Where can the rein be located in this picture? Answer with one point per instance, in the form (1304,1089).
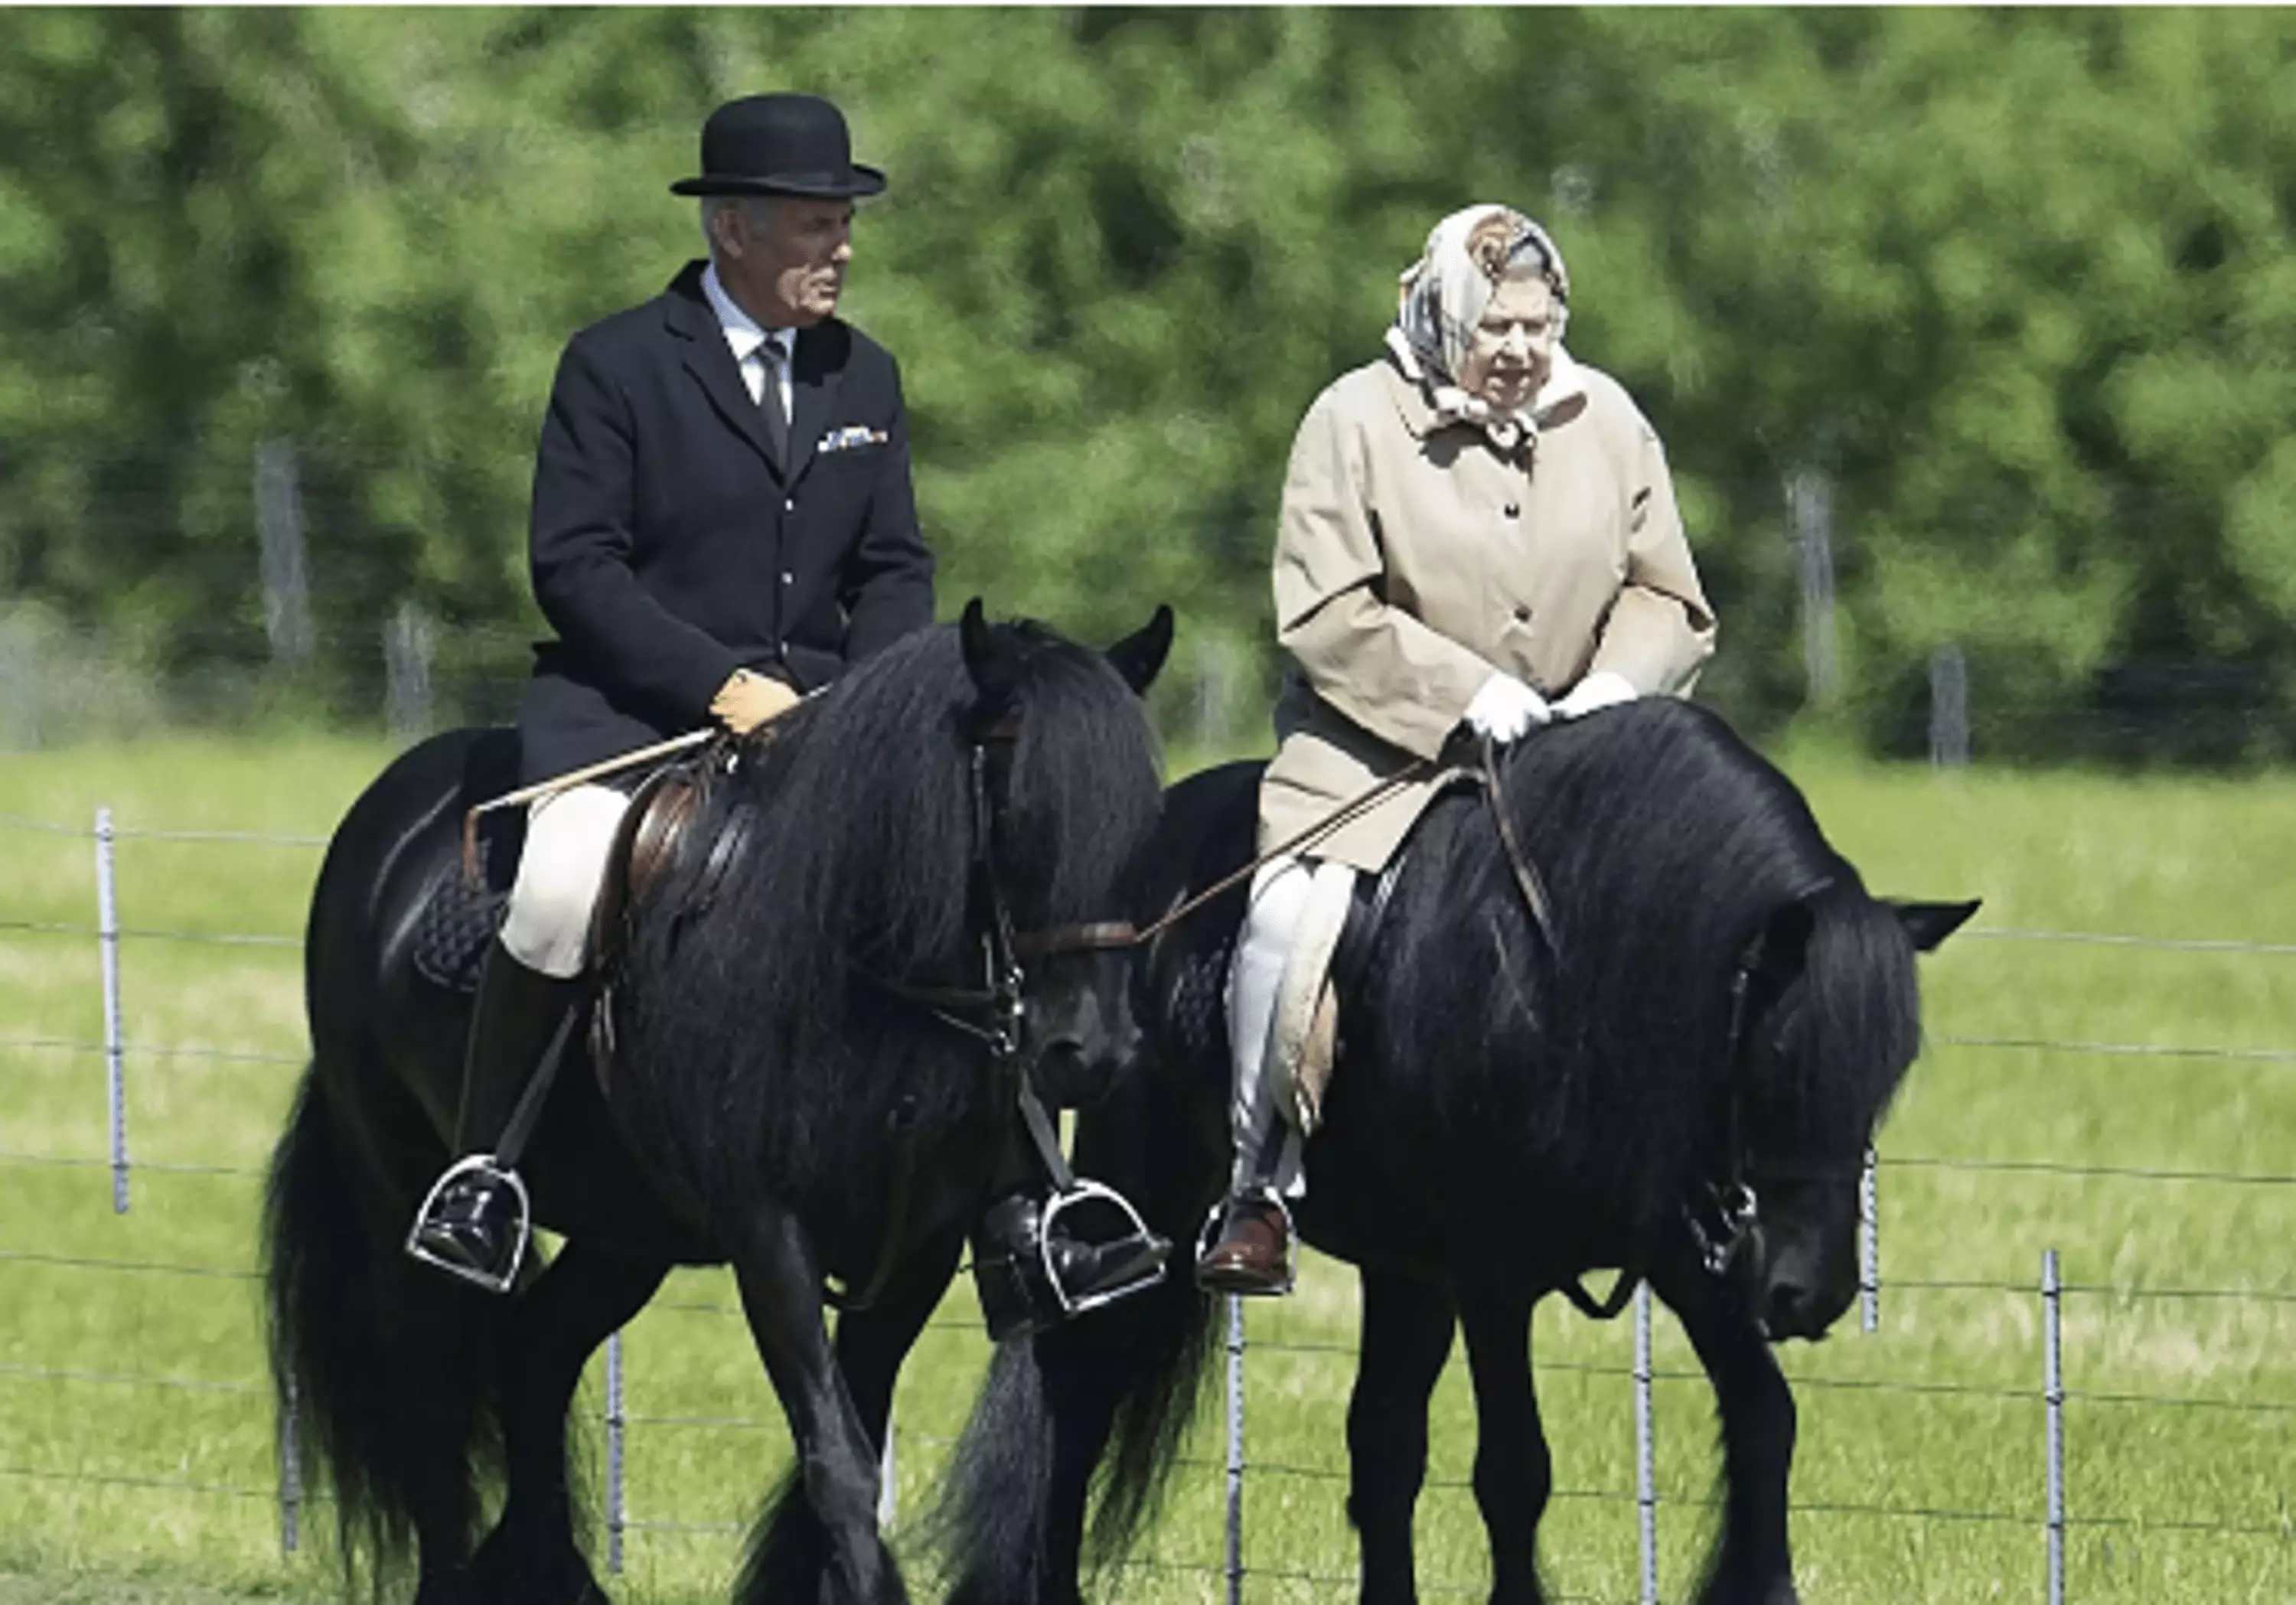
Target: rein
(1119,933)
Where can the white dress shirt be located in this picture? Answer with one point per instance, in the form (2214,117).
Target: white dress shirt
(756,350)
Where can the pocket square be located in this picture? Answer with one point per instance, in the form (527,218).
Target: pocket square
(850,437)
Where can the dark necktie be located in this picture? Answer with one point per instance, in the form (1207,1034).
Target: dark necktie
(769,398)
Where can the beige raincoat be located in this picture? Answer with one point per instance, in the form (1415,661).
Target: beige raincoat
(1415,559)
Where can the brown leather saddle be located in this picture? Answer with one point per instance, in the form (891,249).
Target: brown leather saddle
(464,911)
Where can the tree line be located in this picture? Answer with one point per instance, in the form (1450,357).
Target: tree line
(2013,290)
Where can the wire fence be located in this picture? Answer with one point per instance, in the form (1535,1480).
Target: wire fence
(2047,1386)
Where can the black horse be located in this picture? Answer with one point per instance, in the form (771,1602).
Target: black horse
(1676,1071)
(784,1091)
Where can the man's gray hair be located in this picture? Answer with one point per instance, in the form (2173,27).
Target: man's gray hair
(762,212)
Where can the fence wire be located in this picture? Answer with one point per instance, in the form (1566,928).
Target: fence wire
(2283,1527)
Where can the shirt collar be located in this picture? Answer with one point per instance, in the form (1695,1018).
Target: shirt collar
(744,334)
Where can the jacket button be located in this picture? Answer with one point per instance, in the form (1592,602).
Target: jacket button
(788,578)
(790,505)
(1515,510)
(1522,614)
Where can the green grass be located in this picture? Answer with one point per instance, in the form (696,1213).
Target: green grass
(2178,859)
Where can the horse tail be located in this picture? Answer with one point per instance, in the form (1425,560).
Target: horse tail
(328,1359)
(388,1372)
(1171,1337)
(1114,1389)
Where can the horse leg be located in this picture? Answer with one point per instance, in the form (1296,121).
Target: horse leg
(531,1556)
(779,1279)
(1514,1472)
(871,1344)
(1752,1563)
(1406,1337)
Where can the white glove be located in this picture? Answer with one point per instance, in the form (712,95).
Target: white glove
(1600,690)
(1505,708)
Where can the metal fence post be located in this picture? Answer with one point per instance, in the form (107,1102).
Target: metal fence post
(1869,1244)
(889,1499)
(1949,709)
(2054,1391)
(617,1513)
(408,642)
(279,529)
(1810,510)
(1234,1450)
(107,927)
(1645,1447)
(290,1474)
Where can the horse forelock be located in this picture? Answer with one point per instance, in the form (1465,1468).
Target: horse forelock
(1852,1031)
(1082,796)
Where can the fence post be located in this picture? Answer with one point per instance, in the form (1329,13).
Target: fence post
(279,527)
(2054,1391)
(1234,1449)
(107,928)
(1645,1447)
(408,643)
(1869,1244)
(290,1474)
(889,1500)
(617,1513)
(1809,510)
(1949,709)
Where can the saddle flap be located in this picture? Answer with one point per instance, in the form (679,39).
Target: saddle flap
(652,832)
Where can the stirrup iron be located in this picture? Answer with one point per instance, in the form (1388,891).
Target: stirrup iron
(491,1167)
(1154,1249)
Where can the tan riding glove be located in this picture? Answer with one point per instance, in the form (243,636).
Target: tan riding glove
(748,699)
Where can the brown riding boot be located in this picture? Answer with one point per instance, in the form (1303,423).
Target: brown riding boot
(1253,1255)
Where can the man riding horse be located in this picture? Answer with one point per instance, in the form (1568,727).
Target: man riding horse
(722,523)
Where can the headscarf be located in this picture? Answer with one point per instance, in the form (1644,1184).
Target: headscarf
(1444,294)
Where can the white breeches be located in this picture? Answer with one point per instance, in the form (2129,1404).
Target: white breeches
(1296,911)
(568,837)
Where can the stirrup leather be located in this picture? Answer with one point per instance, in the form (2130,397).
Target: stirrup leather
(493,1168)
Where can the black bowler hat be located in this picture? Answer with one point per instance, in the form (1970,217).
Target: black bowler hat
(779,144)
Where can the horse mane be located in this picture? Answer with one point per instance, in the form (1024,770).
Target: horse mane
(1605,1055)
(840,853)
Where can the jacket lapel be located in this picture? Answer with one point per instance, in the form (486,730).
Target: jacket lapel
(815,370)
(710,362)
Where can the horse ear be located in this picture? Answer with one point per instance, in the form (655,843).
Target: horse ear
(1931,923)
(986,658)
(1141,654)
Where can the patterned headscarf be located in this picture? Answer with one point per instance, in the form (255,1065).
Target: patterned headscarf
(1444,297)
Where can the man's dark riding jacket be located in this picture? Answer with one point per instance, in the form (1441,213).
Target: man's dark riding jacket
(671,545)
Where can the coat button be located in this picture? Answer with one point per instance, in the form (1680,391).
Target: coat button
(788,578)
(1522,614)
(1515,510)
(790,505)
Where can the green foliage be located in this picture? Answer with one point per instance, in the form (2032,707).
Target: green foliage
(2018,285)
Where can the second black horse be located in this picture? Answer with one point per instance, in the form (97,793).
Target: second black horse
(1677,1071)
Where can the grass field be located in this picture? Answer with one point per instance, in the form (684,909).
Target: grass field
(136,1454)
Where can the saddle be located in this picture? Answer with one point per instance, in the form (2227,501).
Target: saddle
(462,913)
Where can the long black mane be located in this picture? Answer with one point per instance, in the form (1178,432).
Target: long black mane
(751,999)
(1667,848)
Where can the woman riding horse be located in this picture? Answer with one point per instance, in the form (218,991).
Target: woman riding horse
(1471,525)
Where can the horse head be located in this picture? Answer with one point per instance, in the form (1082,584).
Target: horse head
(1071,797)
(1829,1025)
